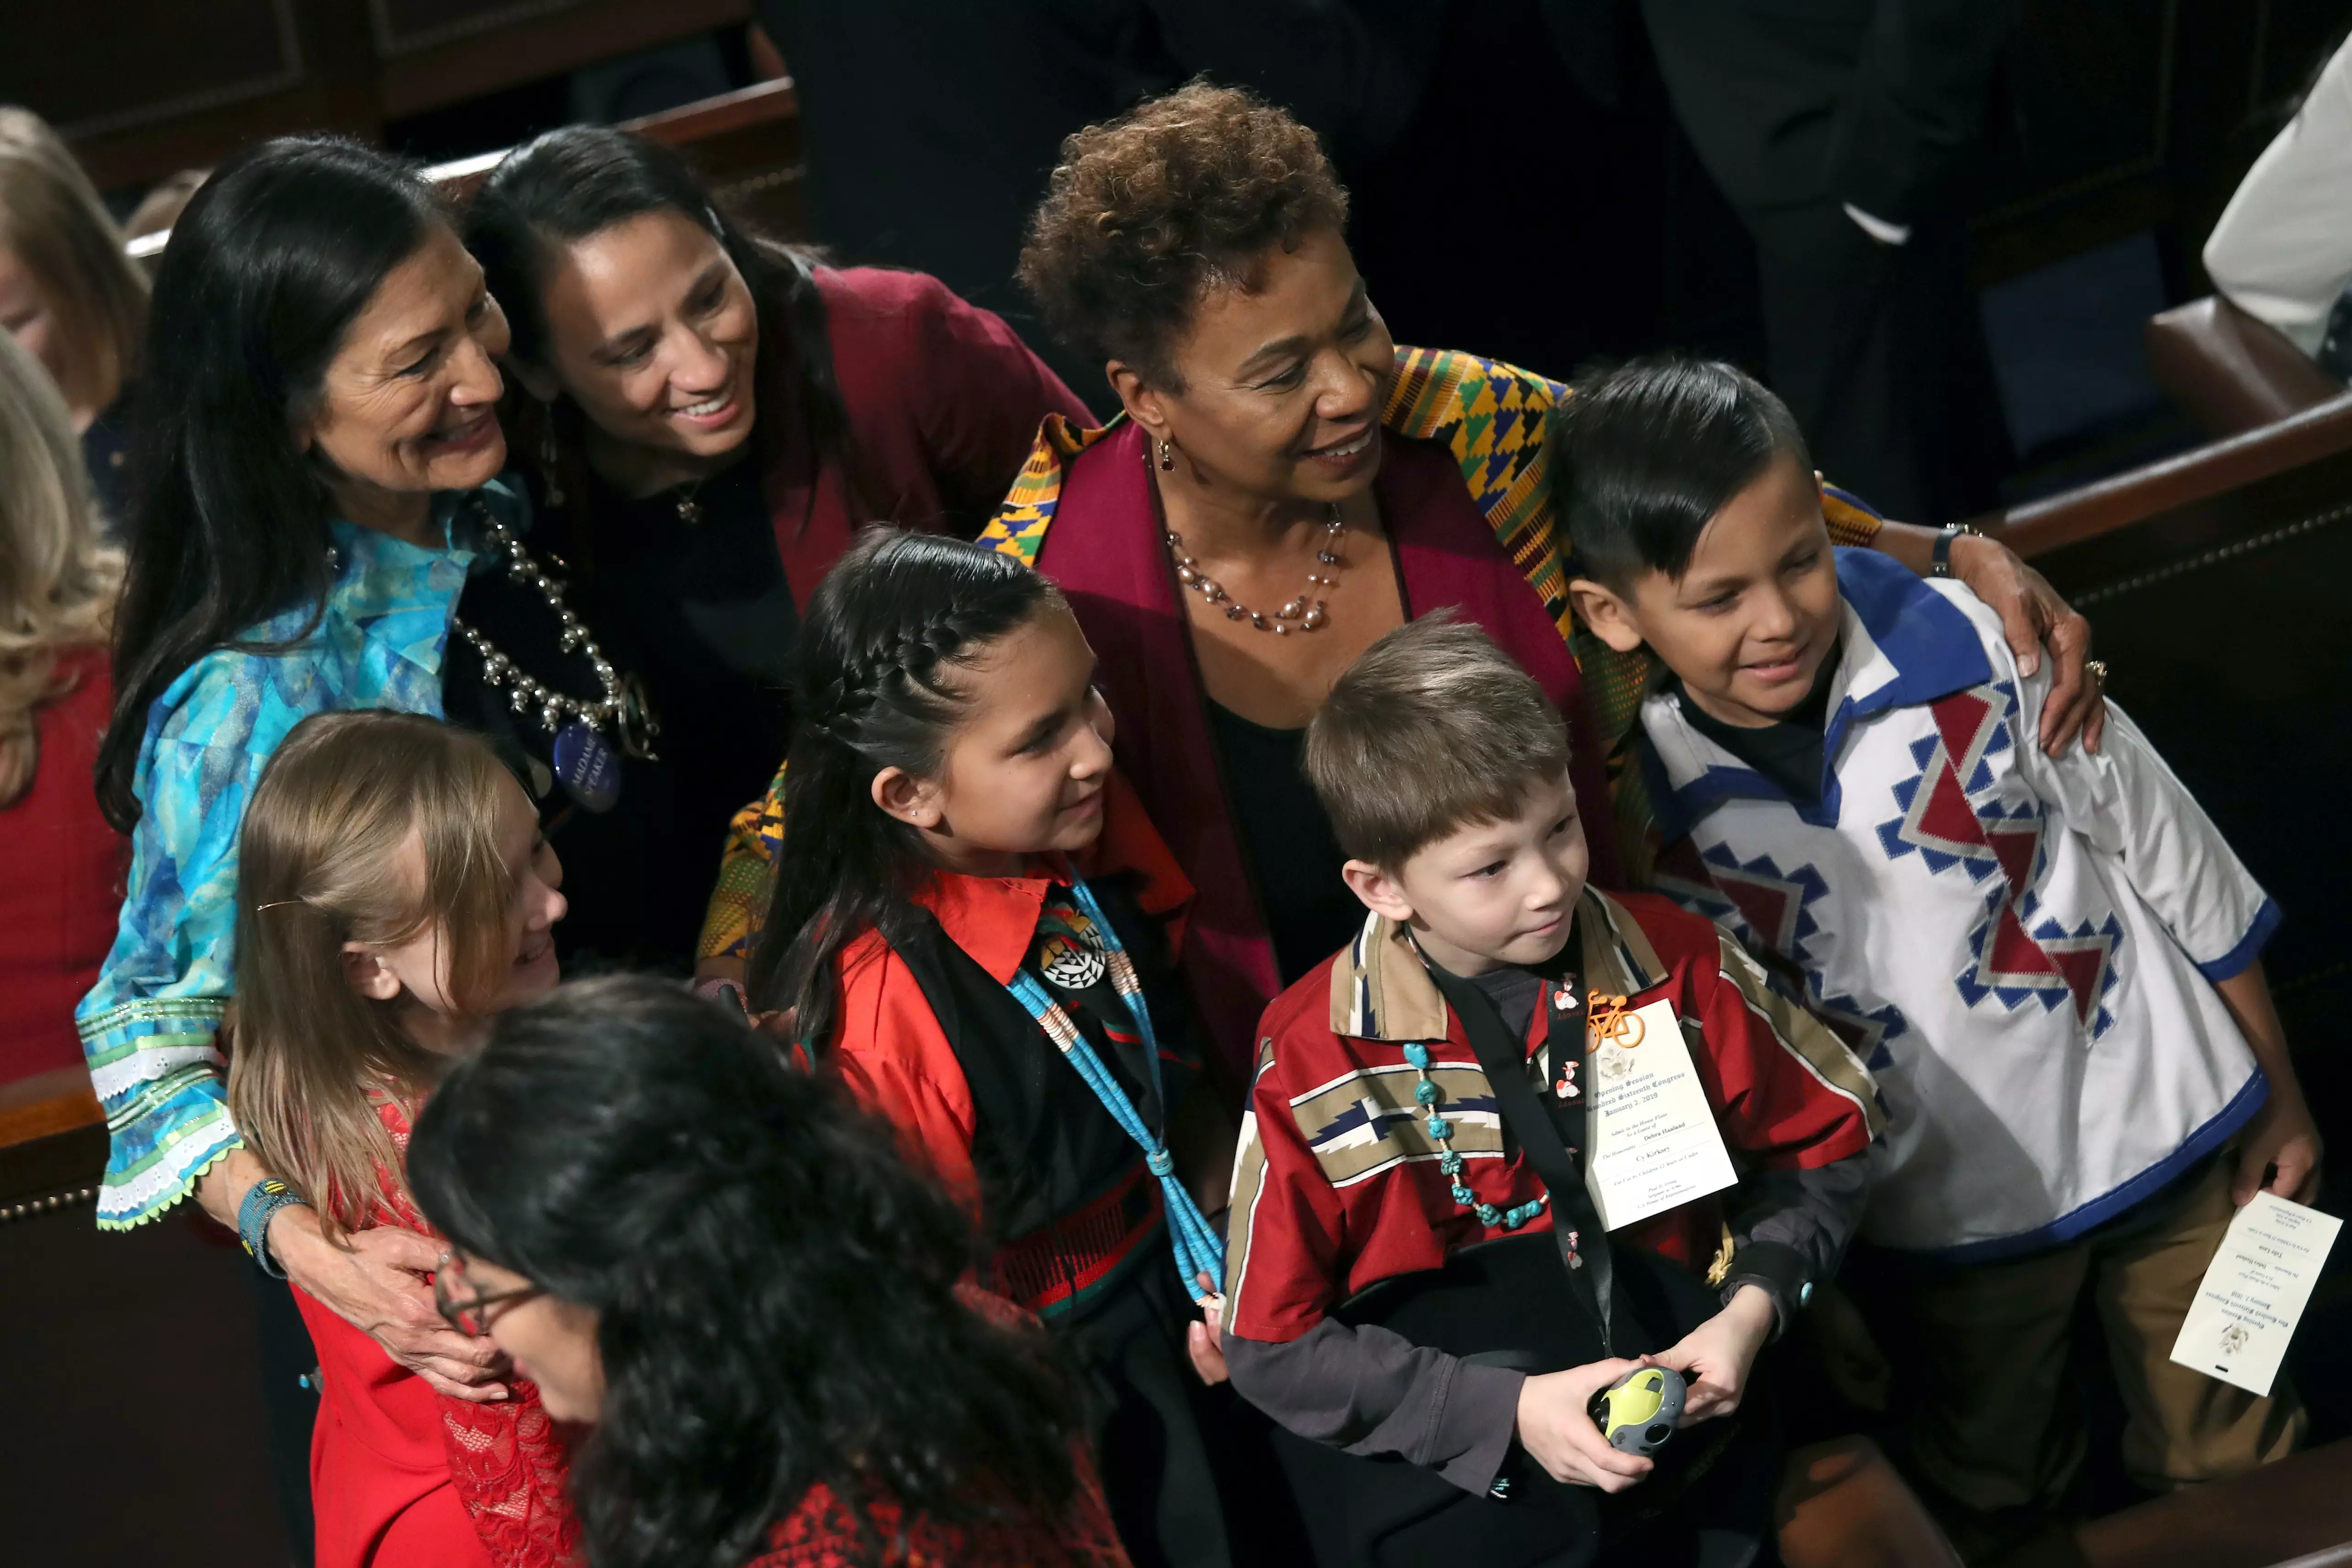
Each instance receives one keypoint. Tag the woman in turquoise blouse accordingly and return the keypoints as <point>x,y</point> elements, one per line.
<point>315,478</point>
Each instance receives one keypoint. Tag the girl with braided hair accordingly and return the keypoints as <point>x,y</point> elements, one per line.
<point>976,894</point>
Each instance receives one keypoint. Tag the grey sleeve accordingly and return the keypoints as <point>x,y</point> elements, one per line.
<point>1370,1390</point>
<point>1789,1229</point>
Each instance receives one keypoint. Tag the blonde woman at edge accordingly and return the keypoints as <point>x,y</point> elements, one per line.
<point>69,293</point>
<point>57,585</point>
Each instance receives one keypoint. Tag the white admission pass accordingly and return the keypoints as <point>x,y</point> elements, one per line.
<point>2254,1291</point>
<point>1653,1137</point>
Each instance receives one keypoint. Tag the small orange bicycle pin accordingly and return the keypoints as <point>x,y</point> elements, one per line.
<point>1609,1022</point>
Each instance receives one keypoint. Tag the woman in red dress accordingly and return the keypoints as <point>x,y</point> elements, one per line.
<point>57,585</point>
<point>719,1261</point>
<point>394,892</point>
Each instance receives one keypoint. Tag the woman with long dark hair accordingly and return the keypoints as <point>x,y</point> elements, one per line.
<point>719,1261</point>
<point>314,479</point>
<point>711,415</point>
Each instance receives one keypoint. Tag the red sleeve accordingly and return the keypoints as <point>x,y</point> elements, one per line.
<point>982,395</point>
<point>1282,1254</point>
<point>510,1465</point>
<point>1784,1089</point>
<point>896,1061</point>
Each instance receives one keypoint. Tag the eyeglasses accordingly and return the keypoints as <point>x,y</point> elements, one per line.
<point>465,1308</point>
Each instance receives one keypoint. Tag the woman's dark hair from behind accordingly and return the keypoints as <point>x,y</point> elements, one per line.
<point>272,261</point>
<point>1656,447</point>
<point>570,184</point>
<point>873,689</point>
<point>774,1286</point>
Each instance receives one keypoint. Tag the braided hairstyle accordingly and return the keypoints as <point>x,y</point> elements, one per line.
<point>873,689</point>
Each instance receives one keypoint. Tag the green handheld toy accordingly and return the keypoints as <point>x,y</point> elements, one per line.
<point>1637,1413</point>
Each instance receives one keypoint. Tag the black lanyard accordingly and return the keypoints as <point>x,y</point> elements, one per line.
<point>1503,1060</point>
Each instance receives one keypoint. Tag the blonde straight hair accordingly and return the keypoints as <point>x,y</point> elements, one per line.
<point>57,583</point>
<point>51,217</point>
<point>321,861</point>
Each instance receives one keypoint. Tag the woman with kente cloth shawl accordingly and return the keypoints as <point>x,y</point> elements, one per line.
<point>1285,484</point>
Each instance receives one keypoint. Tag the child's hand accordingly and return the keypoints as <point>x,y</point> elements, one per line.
<point>2283,1135</point>
<point>1557,1430</point>
<point>1201,1340</point>
<point>1715,1357</point>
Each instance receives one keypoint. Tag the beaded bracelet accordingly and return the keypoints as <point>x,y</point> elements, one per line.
<point>262,1202</point>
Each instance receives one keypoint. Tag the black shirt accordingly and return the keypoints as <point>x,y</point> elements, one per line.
<point>709,617</point>
<point>105,452</point>
<point>1515,990</point>
<point>1044,1147</point>
<point>636,893</point>
<point>1309,913</point>
<point>1788,752</point>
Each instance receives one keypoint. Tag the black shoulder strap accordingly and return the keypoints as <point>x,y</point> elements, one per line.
<point>1591,1271</point>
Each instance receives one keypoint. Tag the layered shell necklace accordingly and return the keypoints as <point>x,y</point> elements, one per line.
<point>581,759</point>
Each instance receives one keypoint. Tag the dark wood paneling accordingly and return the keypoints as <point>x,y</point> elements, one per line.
<point>2114,117</point>
<point>161,59</point>
<point>143,87</point>
<point>748,146</point>
<point>493,45</point>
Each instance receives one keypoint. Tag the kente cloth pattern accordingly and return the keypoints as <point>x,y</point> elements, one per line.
<point>2025,947</point>
<point>1496,418</point>
<point>738,902</point>
<point>148,1027</point>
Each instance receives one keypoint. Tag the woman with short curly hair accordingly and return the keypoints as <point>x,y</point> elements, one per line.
<point>1286,485</point>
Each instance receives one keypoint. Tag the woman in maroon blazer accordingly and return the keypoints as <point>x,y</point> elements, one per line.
<point>1285,485</point>
<point>708,418</point>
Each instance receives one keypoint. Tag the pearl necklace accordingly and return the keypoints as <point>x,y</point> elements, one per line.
<point>622,708</point>
<point>1311,617</point>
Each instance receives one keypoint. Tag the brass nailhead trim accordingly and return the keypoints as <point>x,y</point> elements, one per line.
<point>2215,557</point>
<point>49,1205</point>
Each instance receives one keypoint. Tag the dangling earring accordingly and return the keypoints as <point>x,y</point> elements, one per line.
<point>1167,457</point>
<point>550,455</point>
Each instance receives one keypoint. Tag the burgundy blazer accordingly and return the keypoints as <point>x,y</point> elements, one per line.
<point>1106,551</point>
<point>944,400</point>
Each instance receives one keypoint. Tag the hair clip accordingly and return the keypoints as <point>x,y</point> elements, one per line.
<point>277,904</point>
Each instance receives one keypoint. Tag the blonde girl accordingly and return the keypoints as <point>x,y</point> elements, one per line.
<point>395,895</point>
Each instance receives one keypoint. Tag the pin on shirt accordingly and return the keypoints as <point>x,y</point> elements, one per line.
<point>1563,1000</point>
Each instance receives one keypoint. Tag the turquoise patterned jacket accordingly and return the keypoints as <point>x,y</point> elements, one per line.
<point>147,1027</point>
